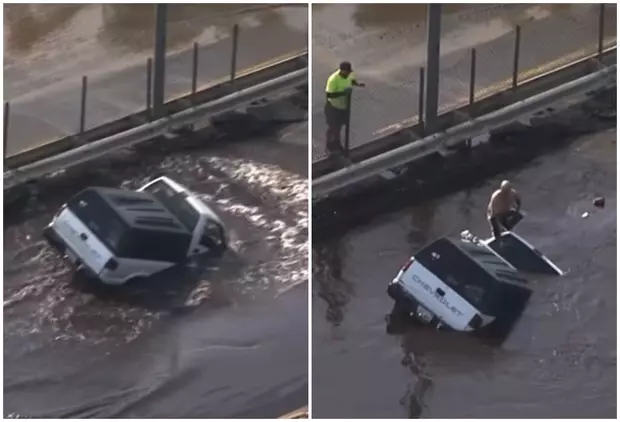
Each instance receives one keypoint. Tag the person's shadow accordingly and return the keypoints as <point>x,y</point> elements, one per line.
<point>330,284</point>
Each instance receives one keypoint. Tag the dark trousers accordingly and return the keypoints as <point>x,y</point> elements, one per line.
<point>336,119</point>
<point>505,221</point>
<point>497,225</point>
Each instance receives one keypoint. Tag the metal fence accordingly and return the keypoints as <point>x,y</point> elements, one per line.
<point>39,118</point>
<point>392,99</point>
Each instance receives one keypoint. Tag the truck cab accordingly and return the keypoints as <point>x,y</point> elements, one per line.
<point>116,235</point>
<point>208,230</point>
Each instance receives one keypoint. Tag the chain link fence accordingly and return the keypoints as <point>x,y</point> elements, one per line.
<point>207,44</point>
<point>508,44</point>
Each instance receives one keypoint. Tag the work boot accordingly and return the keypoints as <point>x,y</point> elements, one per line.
<point>334,147</point>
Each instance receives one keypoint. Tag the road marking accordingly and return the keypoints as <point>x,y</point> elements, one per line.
<point>524,77</point>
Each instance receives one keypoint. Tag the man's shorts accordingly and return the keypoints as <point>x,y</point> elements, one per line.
<point>335,117</point>
<point>506,220</point>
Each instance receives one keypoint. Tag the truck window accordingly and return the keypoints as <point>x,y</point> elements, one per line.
<point>176,203</point>
<point>99,217</point>
<point>153,245</point>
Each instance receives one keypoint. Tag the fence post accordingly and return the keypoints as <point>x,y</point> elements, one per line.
<point>421,103</point>
<point>601,29</point>
<point>159,75</point>
<point>5,135</point>
<point>433,48</point>
<point>347,128</point>
<point>515,68</point>
<point>472,78</point>
<point>195,71</point>
<point>233,58</point>
<point>83,104</point>
<point>149,86</point>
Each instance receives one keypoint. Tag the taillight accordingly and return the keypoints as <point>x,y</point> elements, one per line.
<point>111,265</point>
<point>407,264</point>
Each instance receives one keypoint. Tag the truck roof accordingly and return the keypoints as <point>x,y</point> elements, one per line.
<point>493,264</point>
<point>460,256</point>
<point>139,210</point>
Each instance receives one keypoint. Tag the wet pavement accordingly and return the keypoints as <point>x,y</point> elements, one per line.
<point>50,47</point>
<point>227,341</point>
<point>386,45</point>
<point>560,359</point>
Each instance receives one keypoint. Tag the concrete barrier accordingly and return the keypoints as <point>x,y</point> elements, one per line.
<point>374,166</point>
<point>84,153</point>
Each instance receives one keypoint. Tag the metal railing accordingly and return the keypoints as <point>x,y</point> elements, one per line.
<point>374,166</point>
<point>151,130</point>
<point>29,123</point>
<point>502,65</point>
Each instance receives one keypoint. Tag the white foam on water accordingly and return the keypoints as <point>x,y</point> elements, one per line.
<point>286,191</point>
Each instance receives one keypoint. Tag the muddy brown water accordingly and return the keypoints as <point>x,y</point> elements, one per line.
<point>560,359</point>
<point>227,341</point>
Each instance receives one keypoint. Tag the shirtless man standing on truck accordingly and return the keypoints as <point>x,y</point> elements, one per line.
<point>504,203</point>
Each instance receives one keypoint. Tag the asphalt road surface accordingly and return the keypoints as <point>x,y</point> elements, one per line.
<point>386,43</point>
<point>50,47</point>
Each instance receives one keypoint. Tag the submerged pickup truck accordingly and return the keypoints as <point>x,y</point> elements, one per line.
<point>116,235</point>
<point>469,284</point>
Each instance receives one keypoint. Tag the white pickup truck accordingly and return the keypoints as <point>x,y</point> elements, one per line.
<point>116,235</point>
<point>469,284</point>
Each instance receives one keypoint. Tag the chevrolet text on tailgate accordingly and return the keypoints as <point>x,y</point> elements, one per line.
<point>436,295</point>
<point>116,235</point>
<point>469,284</point>
<point>460,285</point>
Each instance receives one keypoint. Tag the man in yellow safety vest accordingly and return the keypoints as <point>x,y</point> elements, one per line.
<point>337,92</point>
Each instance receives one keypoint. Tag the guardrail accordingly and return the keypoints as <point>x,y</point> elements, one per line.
<point>502,64</point>
<point>373,166</point>
<point>408,133</point>
<point>148,131</point>
<point>211,93</point>
<point>74,108</point>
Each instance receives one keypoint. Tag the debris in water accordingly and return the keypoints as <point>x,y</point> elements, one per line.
<point>599,202</point>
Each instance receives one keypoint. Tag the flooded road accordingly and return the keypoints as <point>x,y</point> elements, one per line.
<point>559,361</point>
<point>227,341</point>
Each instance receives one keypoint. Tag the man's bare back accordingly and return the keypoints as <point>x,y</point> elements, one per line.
<point>502,202</point>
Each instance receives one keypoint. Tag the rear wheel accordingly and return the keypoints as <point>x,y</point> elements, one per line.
<point>401,309</point>
<point>398,318</point>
